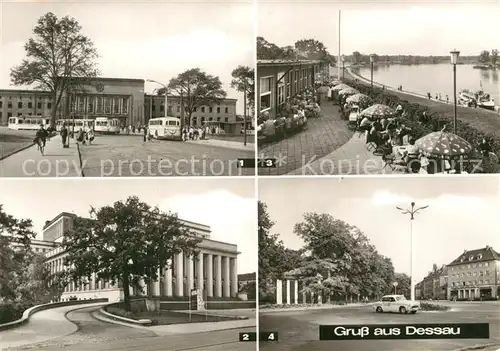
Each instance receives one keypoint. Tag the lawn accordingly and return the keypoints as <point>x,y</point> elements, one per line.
<point>12,140</point>
<point>170,317</point>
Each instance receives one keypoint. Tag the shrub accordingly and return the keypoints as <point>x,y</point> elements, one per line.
<point>120,312</point>
<point>10,312</point>
<point>427,306</point>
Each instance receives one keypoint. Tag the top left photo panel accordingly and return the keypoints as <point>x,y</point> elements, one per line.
<point>127,89</point>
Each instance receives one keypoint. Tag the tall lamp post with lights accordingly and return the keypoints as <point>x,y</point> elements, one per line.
<point>454,60</point>
<point>166,93</point>
<point>372,60</point>
<point>412,211</point>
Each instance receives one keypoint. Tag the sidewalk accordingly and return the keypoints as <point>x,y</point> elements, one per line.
<point>352,158</point>
<point>224,143</point>
<point>57,162</point>
<point>42,326</point>
<point>242,313</point>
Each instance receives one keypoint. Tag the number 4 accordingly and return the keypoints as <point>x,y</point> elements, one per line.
<point>271,336</point>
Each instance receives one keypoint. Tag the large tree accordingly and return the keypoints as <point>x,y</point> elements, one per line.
<point>494,57</point>
<point>124,243</point>
<point>57,52</point>
<point>314,50</point>
<point>244,82</point>
<point>198,89</point>
<point>24,277</point>
<point>484,57</point>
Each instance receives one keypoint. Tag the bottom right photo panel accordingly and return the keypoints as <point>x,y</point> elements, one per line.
<point>385,263</point>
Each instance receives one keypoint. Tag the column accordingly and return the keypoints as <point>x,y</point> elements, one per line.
<point>234,277</point>
<point>287,292</point>
<point>312,297</point>
<point>218,276</point>
<point>225,270</point>
<point>156,284</point>
<point>296,291</point>
<point>199,270</point>
<point>189,273</point>
<point>143,288</point>
<point>210,276</point>
<point>279,292</point>
<point>304,297</point>
<point>179,274</point>
<point>168,282</point>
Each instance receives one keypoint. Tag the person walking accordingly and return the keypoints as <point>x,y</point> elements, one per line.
<point>64,135</point>
<point>145,134</point>
<point>91,136</point>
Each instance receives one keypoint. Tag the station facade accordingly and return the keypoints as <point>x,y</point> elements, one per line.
<point>213,271</point>
<point>120,98</point>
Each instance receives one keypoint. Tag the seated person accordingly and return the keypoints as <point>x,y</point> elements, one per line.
<point>384,123</point>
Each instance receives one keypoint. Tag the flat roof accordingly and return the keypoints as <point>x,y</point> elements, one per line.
<point>23,91</point>
<point>162,97</point>
<point>282,62</point>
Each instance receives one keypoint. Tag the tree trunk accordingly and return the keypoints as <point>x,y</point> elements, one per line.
<point>53,111</point>
<point>126,292</point>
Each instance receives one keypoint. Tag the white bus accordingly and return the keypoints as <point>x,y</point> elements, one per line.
<point>85,124</point>
<point>165,128</point>
<point>107,125</point>
<point>28,122</point>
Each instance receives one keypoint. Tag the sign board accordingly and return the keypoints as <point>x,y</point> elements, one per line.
<point>395,284</point>
<point>196,301</point>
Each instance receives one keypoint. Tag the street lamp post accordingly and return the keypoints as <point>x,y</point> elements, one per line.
<point>454,60</point>
<point>372,59</point>
<point>166,94</point>
<point>245,116</point>
<point>412,211</point>
<point>343,66</point>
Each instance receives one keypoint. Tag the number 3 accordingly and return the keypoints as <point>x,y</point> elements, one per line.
<point>269,163</point>
<point>245,337</point>
<point>271,336</point>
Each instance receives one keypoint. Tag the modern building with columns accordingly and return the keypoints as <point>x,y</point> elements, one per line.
<point>213,271</point>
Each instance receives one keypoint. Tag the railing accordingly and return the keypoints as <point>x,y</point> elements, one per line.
<point>30,311</point>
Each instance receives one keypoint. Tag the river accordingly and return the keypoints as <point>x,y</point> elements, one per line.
<point>434,79</point>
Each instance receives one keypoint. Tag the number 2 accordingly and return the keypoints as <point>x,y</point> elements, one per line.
<point>270,336</point>
<point>246,337</point>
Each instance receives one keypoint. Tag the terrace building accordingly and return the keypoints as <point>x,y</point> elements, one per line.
<point>475,274</point>
<point>280,80</point>
<point>435,285</point>
<point>213,271</point>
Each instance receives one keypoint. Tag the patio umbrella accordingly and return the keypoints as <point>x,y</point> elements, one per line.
<point>340,87</point>
<point>443,144</point>
<point>358,99</point>
<point>378,111</point>
<point>348,91</point>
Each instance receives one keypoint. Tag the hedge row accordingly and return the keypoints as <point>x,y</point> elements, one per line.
<point>436,122</point>
<point>10,312</point>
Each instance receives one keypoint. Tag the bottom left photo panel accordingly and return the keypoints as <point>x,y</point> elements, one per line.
<point>128,264</point>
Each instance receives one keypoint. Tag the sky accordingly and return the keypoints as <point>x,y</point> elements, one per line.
<point>145,40</point>
<point>227,205</point>
<point>384,27</point>
<point>462,213</point>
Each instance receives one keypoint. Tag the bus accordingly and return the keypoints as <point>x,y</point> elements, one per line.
<point>28,122</point>
<point>85,124</point>
<point>107,125</point>
<point>165,128</point>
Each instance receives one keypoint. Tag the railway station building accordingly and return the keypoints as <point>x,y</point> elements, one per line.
<point>121,98</point>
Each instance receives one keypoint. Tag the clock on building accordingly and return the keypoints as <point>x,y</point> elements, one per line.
<point>99,88</point>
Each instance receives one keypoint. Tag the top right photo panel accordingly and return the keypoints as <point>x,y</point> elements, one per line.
<point>378,88</point>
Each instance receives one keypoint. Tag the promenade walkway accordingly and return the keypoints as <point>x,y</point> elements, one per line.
<point>322,136</point>
<point>56,161</point>
<point>42,326</point>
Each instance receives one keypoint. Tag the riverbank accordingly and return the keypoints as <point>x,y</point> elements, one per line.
<point>484,121</point>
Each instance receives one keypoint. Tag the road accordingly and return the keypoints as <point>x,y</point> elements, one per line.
<point>129,156</point>
<point>298,330</point>
<point>94,334</point>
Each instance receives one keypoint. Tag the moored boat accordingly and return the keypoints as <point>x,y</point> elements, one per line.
<point>478,98</point>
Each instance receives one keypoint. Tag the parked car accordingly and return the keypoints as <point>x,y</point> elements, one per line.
<point>396,303</point>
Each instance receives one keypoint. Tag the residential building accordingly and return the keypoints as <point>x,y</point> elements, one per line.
<point>213,271</point>
<point>475,274</point>
<point>434,285</point>
<point>280,80</point>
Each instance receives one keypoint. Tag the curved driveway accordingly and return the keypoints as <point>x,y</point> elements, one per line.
<point>81,331</point>
<point>299,330</point>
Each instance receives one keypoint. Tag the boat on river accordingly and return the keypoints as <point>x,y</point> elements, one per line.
<point>478,98</point>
